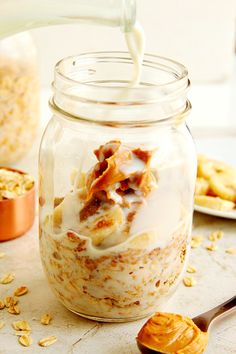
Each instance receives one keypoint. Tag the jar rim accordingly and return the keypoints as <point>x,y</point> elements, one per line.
<point>80,82</point>
<point>178,70</point>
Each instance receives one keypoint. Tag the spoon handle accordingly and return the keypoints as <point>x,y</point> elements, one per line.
<point>219,310</point>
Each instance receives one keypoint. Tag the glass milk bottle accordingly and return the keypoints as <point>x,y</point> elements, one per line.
<point>18,16</point>
<point>117,176</point>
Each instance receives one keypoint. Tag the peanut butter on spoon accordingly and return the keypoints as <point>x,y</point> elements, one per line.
<point>171,333</point>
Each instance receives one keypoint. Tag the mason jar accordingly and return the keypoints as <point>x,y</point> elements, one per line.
<point>19,97</point>
<point>117,176</point>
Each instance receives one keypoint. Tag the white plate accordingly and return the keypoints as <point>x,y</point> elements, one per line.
<point>221,214</point>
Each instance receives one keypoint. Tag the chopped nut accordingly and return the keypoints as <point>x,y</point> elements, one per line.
<point>45,342</point>
<point>2,324</point>
<point>2,305</point>
<point>189,281</point>
<point>216,235</point>
<point>21,325</point>
<point>7,278</point>
<point>191,269</point>
<point>14,310</point>
<point>46,319</point>
<point>230,250</point>
<point>196,241</point>
<point>21,291</point>
<point>10,301</point>
<point>211,247</point>
<point>2,254</point>
<point>25,340</point>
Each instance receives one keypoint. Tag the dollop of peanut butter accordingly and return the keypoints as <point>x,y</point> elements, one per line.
<point>172,334</point>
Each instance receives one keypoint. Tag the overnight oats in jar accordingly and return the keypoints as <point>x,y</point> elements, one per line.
<point>117,176</point>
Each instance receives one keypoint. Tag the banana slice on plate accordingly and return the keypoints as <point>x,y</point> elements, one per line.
<point>202,186</point>
<point>215,203</point>
<point>209,167</point>
<point>224,186</point>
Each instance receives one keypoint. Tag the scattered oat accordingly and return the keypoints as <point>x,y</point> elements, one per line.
<point>2,324</point>
<point>2,305</point>
<point>22,333</point>
<point>211,247</point>
<point>191,269</point>
<point>196,241</point>
<point>2,254</point>
<point>46,319</point>
<point>189,281</point>
<point>25,340</point>
<point>7,278</point>
<point>216,235</point>
<point>45,342</point>
<point>21,325</point>
<point>230,250</point>
<point>14,310</point>
<point>21,291</point>
<point>10,301</point>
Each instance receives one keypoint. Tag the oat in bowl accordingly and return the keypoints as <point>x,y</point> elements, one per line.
<point>17,203</point>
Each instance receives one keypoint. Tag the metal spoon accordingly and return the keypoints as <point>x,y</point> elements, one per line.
<point>204,320</point>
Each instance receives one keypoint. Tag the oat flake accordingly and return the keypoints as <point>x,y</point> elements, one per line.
<point>45,342</point>
<point>189,281</point>
<point>25,340</point>
<point>7,278</point>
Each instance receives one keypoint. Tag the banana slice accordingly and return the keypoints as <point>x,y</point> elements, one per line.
<point>214,203</point>
<point>202,186</point>
<point>208,167</point>
<point>102,225</point>
<point>224,186</point>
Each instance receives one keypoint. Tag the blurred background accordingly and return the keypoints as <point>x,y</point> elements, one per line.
<point>200,34</point>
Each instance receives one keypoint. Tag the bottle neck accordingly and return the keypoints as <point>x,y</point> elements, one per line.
<point>114,13</point>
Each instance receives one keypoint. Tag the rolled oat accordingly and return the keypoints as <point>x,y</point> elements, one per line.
<point>216,235</point>
<point>46,319</point>
<point>2,324</point>
<point>189,281</point>
<point>191,269</point>
<point>230,250</point>
<point>21,291</point>
<point>46,342</point>
<point>7,278</point>
<point>14,310</point>
<point>211,247</point>
<point>25,340</point>
<point>21,325</point>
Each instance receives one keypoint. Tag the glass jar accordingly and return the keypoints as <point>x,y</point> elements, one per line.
<point>19,97</point>
<point>117,176</point>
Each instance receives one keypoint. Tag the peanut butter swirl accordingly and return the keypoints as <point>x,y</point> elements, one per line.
<point>172,334</point>
<point>121,176</point>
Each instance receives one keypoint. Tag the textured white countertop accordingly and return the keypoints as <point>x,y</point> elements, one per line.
<point>215,276</point>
